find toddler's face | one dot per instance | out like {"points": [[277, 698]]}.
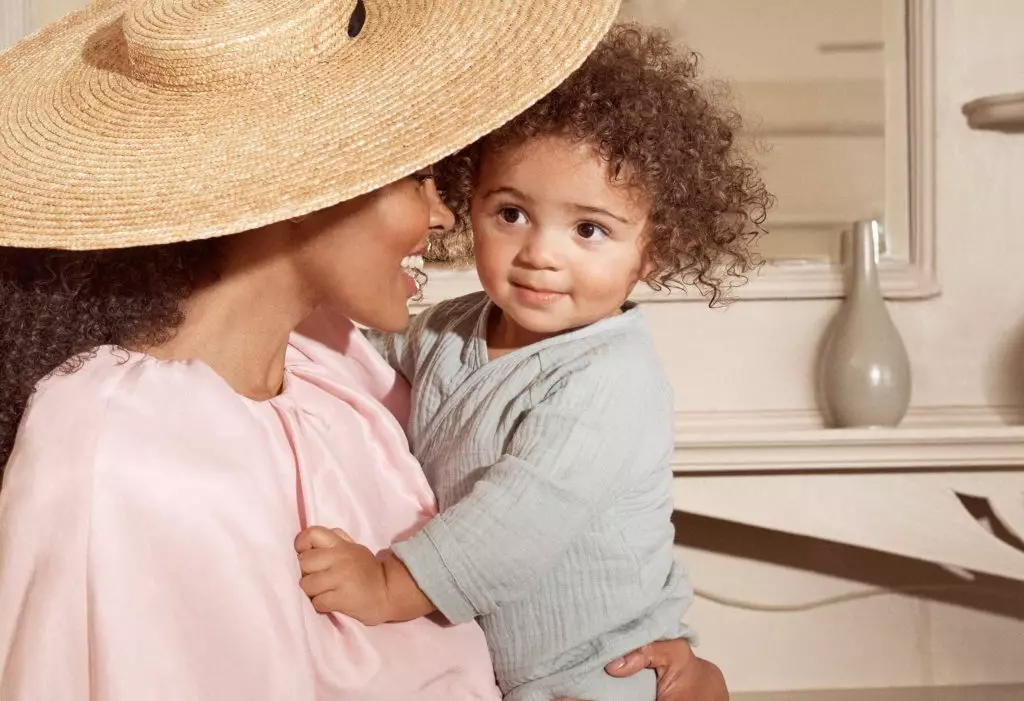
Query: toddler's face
{"points": [[558, 244]]}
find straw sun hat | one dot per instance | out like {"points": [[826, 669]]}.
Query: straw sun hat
{"points": [[136, 122]]}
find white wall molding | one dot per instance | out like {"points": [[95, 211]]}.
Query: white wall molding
{"points": [[758, 442], [781, 281]]}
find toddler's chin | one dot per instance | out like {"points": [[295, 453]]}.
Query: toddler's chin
{"points": [[542, 323]]}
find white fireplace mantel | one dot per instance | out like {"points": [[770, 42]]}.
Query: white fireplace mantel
{"points": [[754, 442], [897, 490]]}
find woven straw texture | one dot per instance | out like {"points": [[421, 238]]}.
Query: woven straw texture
{"points": [[155, 121]]}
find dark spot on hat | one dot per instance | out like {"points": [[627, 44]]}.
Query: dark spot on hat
{"points": [[358, 19]]}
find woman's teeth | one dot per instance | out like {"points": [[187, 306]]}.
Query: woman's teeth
{"points": [[413, 267], [412, 262]]}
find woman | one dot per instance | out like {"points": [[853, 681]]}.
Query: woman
{"points": [[228, 172]]}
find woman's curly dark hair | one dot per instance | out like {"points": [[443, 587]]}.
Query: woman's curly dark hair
{"points": [[56, 306], [638, 100]]}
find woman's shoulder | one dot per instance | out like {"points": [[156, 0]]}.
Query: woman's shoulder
{"points": [[110, 397], [109, 375]]}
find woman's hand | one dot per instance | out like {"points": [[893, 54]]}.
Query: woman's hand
{"points": [[682, 676]]}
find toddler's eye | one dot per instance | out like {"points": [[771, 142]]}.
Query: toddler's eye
{"points": [[512, 215], [591, 232]]}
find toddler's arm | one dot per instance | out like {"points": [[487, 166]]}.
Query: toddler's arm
{"points": [[341, 575], [570, 455]]}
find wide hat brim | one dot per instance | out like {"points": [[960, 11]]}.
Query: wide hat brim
{"points": [[92, 156]]}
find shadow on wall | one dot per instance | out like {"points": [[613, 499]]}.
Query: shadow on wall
{"points": [[984, 593], [1006, 376]]}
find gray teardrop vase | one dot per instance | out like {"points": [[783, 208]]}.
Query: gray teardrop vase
{"points": [[864, 372]]}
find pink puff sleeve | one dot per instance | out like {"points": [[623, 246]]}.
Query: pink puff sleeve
{"points": [[143, 557]]}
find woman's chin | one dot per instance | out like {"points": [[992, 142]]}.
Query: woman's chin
{"points": [[385, 309], [390, 320], [394, 324]]}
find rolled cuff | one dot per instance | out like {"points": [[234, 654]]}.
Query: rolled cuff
{"points": [[441, 571]]}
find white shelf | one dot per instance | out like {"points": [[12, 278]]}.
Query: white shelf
{"points": [[997, 112], [944, 438]]}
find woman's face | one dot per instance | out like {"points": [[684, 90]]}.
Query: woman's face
{"points": [[352, 255]]}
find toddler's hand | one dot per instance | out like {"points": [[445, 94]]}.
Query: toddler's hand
{"points": [[341, 575]]}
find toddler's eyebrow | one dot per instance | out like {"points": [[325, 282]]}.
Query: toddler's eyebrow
{"points": [[504, 190], [598, 210]]}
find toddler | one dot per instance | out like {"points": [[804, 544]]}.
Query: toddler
{"points": [[541, 415]]}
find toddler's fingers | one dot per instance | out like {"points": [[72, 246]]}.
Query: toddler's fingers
{"points": [[325, 603], [315, 537], [317, 584], [317, 560]]}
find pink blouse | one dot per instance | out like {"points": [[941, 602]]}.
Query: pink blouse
{"points": [[147, 520]]}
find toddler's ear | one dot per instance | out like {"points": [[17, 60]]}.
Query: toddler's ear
{"points": [[647, 268]]}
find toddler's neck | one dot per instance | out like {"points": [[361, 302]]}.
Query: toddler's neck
{"points": [[505, 336]]}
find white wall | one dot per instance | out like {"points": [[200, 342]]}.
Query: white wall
{"points": [[45, 11], [967, 349], [19, 17]]}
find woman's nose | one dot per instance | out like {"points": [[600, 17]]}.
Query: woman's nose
{"points": [[441, 218]]}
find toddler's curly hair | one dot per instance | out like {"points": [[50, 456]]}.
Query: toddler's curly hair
{"points": [[638, 100]]}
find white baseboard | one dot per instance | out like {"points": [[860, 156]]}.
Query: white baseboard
{"points": [[1014, 692]]}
